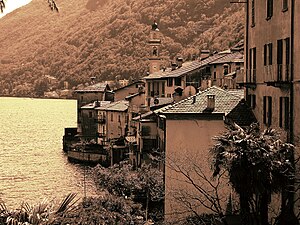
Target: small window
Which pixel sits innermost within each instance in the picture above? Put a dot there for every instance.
(170, 82)
(269, 9)
(284, 112)
(267, 113)
(215, 75)
(285, 5)
(270, 49)
(251, 100)
(90, 114)
(178, 81)
(111, 117)
(252, 13)
(226, 69)
(119, 118)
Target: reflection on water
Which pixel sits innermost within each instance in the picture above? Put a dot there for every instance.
(32, 163)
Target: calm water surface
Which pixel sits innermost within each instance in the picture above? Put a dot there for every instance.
(32, 163)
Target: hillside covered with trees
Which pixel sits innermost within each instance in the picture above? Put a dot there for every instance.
(106, 38)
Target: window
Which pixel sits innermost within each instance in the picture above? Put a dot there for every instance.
(178, 81)
(170, 82)
(163, 89)
(270, 51)
(225, 69)
(252, 65)
(269, 9)
(251, 100)
(149, 88)
(90, 114)
(285, 5)
(267, 113)
(252, 13)
(111, 117)
(119, 118)
(215, 75)
(268, 54)
(279, 59)
(284, 112)
(287, 58)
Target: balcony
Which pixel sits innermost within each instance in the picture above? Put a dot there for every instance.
(277, 75)
(246, 78)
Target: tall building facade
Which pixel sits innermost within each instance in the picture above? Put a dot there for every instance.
(272, 65)
(272, 50)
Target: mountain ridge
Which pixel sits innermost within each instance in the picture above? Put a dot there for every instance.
(106, 38)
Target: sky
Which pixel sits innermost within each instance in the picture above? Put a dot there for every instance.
(11, 5)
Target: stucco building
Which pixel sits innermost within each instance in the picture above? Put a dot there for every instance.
(272, 71)
(90, 94)
(185, 131)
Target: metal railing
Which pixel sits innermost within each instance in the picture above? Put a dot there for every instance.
(277, 73)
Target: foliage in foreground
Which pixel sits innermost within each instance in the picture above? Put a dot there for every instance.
(258, 163)
(107, 209)
(39, 214)
(103, 210)
(144, 185)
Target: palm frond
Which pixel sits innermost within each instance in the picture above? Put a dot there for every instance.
(67, 203)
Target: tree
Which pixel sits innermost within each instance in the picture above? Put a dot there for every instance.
(38, 214)
(203, 192)
(106, 209)
(144, 185)
(258, 164)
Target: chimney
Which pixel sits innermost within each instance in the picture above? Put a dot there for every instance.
(173, 66)
(179, 61)
(194, 99)
(210, 102)
(204, 54)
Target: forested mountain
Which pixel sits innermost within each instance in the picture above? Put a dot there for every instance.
(106, 38)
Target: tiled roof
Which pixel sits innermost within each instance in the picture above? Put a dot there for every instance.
(186, 68)
(238, 92)
(224, 102)
(131, 84)
(133, 95)
(115, 106)
(143, 116)
(229, 58)
(95, 104)
(99, 87)
(227, 102)
(161, 102)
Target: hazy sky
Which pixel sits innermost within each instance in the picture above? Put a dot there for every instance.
(11, 5)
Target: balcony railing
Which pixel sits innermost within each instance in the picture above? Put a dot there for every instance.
(246, 78)
(277, 75)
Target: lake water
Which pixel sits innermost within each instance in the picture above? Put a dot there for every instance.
(32, 163)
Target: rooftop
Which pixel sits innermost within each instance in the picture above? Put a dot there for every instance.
(99, 87)
(223, 57)
(227, 102)
(95, 104)
(120, 106)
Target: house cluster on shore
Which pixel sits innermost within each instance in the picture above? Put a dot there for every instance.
(176, 111)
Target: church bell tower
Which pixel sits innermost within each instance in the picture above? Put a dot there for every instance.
(154, 43)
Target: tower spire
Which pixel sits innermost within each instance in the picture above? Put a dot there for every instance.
(154, 43)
